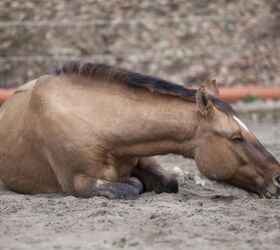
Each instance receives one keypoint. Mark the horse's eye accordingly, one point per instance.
(237, 138)
(276, 181)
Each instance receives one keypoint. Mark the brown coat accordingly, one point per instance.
(86, 130)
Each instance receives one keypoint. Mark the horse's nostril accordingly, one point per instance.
(276, 181)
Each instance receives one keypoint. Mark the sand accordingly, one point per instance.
(203, 215)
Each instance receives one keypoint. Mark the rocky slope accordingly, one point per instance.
(236, 42)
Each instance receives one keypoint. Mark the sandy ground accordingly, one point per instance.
(213, 216)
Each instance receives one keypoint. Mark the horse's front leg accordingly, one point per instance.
(154, 177)
(86, 186)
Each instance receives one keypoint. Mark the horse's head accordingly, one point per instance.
(226, 150)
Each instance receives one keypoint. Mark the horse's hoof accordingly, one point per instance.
(136, 183)
(166, 185)
(123, 191)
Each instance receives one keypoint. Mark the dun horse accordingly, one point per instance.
(91, 129)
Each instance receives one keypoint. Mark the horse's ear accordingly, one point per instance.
(203, 101)
(212, 88)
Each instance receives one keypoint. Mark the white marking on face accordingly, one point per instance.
(241, 123)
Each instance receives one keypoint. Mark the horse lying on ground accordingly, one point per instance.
(90, 129)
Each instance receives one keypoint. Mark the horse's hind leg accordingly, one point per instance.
(86, 187)
(154, 177)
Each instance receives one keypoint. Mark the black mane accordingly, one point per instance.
(112, 74)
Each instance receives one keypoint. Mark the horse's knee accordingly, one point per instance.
(166, 184)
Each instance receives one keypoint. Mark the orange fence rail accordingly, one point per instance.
(228, 94)
(5, 94)
(237, 93)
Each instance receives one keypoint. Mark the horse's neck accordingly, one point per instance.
(161, 125)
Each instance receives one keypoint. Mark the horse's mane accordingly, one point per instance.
(103, 72)
(122, 76)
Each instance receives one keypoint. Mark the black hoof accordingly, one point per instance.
(123, 192)
(136, 183)
(166, 185)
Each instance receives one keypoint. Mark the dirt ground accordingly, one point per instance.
(209, 216)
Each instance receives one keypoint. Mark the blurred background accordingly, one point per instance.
(235, 41)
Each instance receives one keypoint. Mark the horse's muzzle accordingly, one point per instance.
(268, 193)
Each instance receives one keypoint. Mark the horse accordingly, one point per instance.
(90, 129)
